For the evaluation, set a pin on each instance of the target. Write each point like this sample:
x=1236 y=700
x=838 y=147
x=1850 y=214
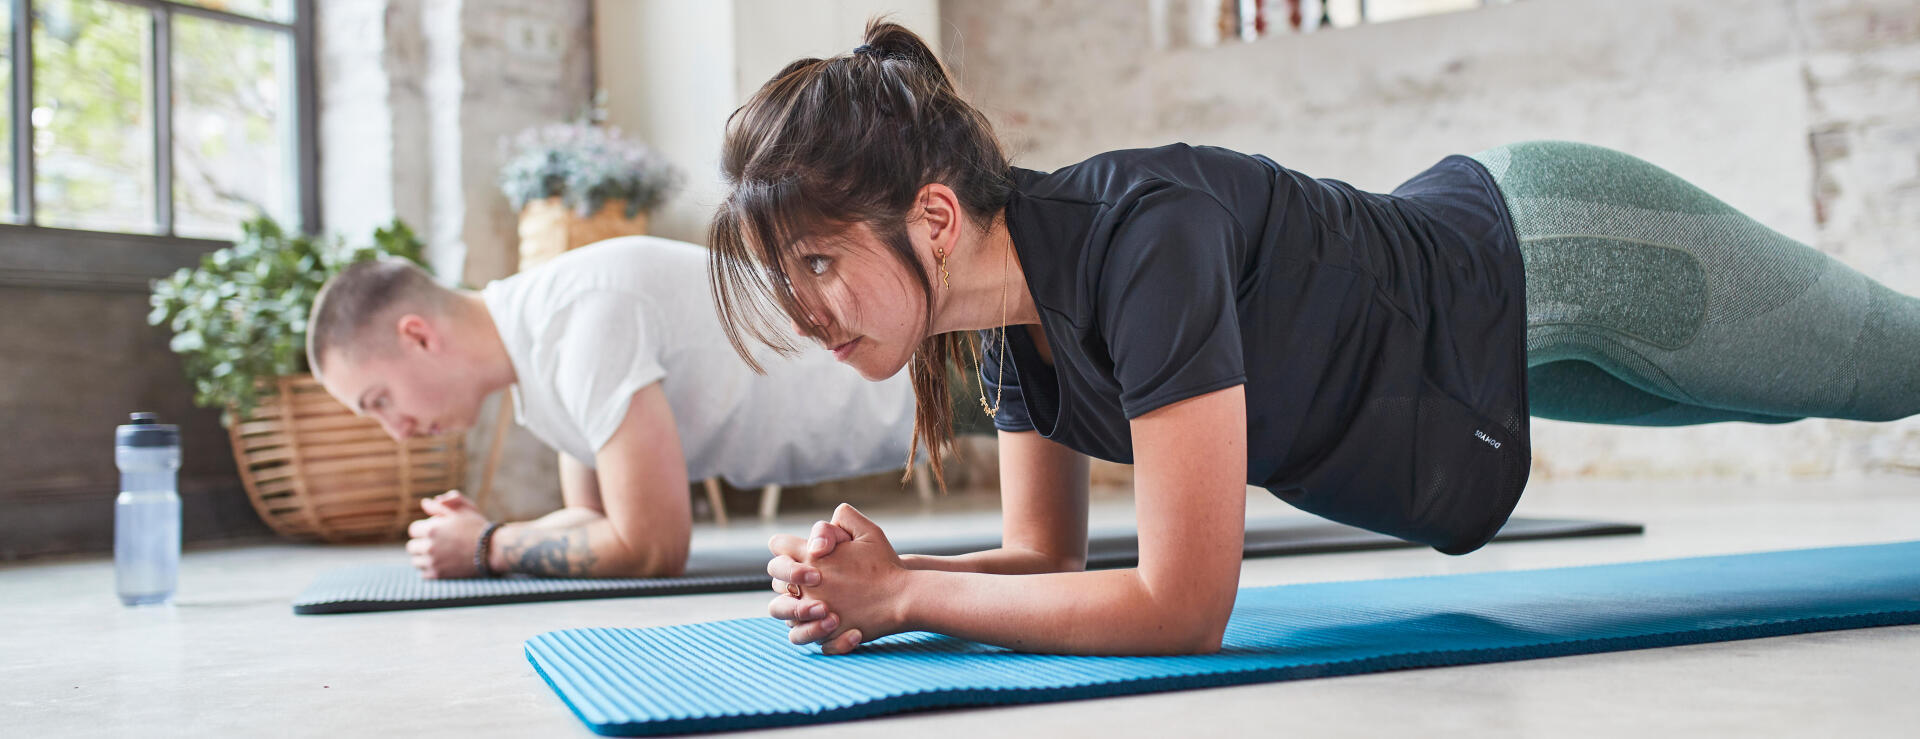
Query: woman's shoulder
x=1120 y=176
x=1170 y=156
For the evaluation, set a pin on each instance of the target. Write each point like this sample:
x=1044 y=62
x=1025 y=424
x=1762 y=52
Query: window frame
x=32 y=255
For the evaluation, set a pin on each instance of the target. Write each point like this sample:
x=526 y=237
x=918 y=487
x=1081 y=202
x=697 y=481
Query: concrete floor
x=229 y=658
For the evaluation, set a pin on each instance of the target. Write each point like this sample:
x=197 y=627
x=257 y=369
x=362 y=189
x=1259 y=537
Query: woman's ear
x=940 y=214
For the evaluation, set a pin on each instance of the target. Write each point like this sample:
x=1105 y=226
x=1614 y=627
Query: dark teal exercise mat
x=740 y=674
x=398 y=587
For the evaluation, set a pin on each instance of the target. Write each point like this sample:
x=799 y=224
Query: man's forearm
x=587 y=549
x=536 y=548
x=568 y=517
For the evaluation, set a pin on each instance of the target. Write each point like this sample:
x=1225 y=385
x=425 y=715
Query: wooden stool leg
x=713 y=498
x=502 y=421
x=922 y=482
x=769 y=502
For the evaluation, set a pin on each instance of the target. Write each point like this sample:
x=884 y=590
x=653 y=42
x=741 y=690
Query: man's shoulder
x=627 y=261
x=623 y=270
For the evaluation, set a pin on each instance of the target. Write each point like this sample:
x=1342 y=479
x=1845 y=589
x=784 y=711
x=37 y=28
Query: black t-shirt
x=1380 y=337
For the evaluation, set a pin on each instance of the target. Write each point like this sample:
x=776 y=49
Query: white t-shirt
x=593 y=326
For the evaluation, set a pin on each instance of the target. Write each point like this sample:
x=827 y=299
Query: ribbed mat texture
x=398 y=587
x=742 y=674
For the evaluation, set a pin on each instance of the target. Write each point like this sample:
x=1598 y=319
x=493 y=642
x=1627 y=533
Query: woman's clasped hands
x=839 y=587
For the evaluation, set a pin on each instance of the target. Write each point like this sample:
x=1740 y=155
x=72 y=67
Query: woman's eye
x=816 y=264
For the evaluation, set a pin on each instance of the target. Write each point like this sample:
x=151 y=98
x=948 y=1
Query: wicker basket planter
x=548 y=228
x=314 y=469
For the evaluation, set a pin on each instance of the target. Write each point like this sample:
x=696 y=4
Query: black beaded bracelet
x=482 y=548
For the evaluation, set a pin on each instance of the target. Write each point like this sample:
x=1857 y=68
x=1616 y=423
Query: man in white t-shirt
x=615 y=359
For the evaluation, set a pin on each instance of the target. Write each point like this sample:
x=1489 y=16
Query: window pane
x=1345 y=13
x=232 y=126
x=273 y=10
x=1381 y=11
x=92 y=115
x=6 y=114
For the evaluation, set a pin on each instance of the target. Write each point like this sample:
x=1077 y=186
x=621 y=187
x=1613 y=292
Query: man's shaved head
x=364 y=296
x=403 y=350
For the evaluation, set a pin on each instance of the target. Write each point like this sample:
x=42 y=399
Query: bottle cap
x=145 y=430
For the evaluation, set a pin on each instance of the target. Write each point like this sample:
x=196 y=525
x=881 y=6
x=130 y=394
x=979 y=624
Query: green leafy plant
x=241 y=316
x=585 y=165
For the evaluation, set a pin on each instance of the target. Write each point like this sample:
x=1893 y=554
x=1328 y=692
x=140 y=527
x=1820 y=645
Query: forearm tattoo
x=551 y=552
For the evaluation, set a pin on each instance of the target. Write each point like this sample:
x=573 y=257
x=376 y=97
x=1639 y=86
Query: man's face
x=413 y=389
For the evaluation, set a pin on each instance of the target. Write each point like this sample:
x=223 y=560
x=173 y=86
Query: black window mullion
x=163 y=120
x=22 y=103
x=306 y=118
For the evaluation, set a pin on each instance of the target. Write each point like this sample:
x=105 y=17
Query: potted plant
x=310 y=466
x=580 y=182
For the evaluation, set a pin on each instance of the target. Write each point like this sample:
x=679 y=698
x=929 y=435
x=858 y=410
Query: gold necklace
x=979 y=371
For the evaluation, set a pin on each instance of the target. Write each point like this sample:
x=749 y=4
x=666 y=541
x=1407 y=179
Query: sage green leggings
x=1651 y=303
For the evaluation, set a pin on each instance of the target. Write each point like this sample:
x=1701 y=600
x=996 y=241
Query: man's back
x=588 y=329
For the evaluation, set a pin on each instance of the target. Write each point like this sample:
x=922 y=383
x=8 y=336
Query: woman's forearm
x=1002 y=561
x=1108 y=612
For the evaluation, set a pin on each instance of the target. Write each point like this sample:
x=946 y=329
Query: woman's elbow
x=1178 y=640
x=1195 y=626
x=1207 y=636
x=1193 y=636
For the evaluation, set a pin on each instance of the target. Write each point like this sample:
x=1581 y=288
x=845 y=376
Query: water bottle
x=146 y=516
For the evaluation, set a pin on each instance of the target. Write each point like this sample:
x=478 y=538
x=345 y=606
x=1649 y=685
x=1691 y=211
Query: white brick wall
x=1765 y=103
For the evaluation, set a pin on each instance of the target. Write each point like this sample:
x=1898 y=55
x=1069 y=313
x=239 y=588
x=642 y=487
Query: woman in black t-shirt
x=1220 y=321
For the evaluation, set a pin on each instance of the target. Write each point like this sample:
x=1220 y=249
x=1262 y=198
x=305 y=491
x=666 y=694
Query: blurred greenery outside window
x=6 y=113
x=157 y=117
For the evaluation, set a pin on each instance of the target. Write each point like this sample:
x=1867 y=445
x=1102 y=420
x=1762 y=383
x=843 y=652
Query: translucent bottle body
x=146 y=525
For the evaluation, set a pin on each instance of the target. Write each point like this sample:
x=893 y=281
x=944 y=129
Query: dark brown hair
x=831 y=144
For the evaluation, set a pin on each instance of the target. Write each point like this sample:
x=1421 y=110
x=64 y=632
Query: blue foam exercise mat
x=738 y=674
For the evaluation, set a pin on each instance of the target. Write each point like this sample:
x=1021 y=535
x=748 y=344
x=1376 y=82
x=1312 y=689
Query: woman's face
x=863 y=304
